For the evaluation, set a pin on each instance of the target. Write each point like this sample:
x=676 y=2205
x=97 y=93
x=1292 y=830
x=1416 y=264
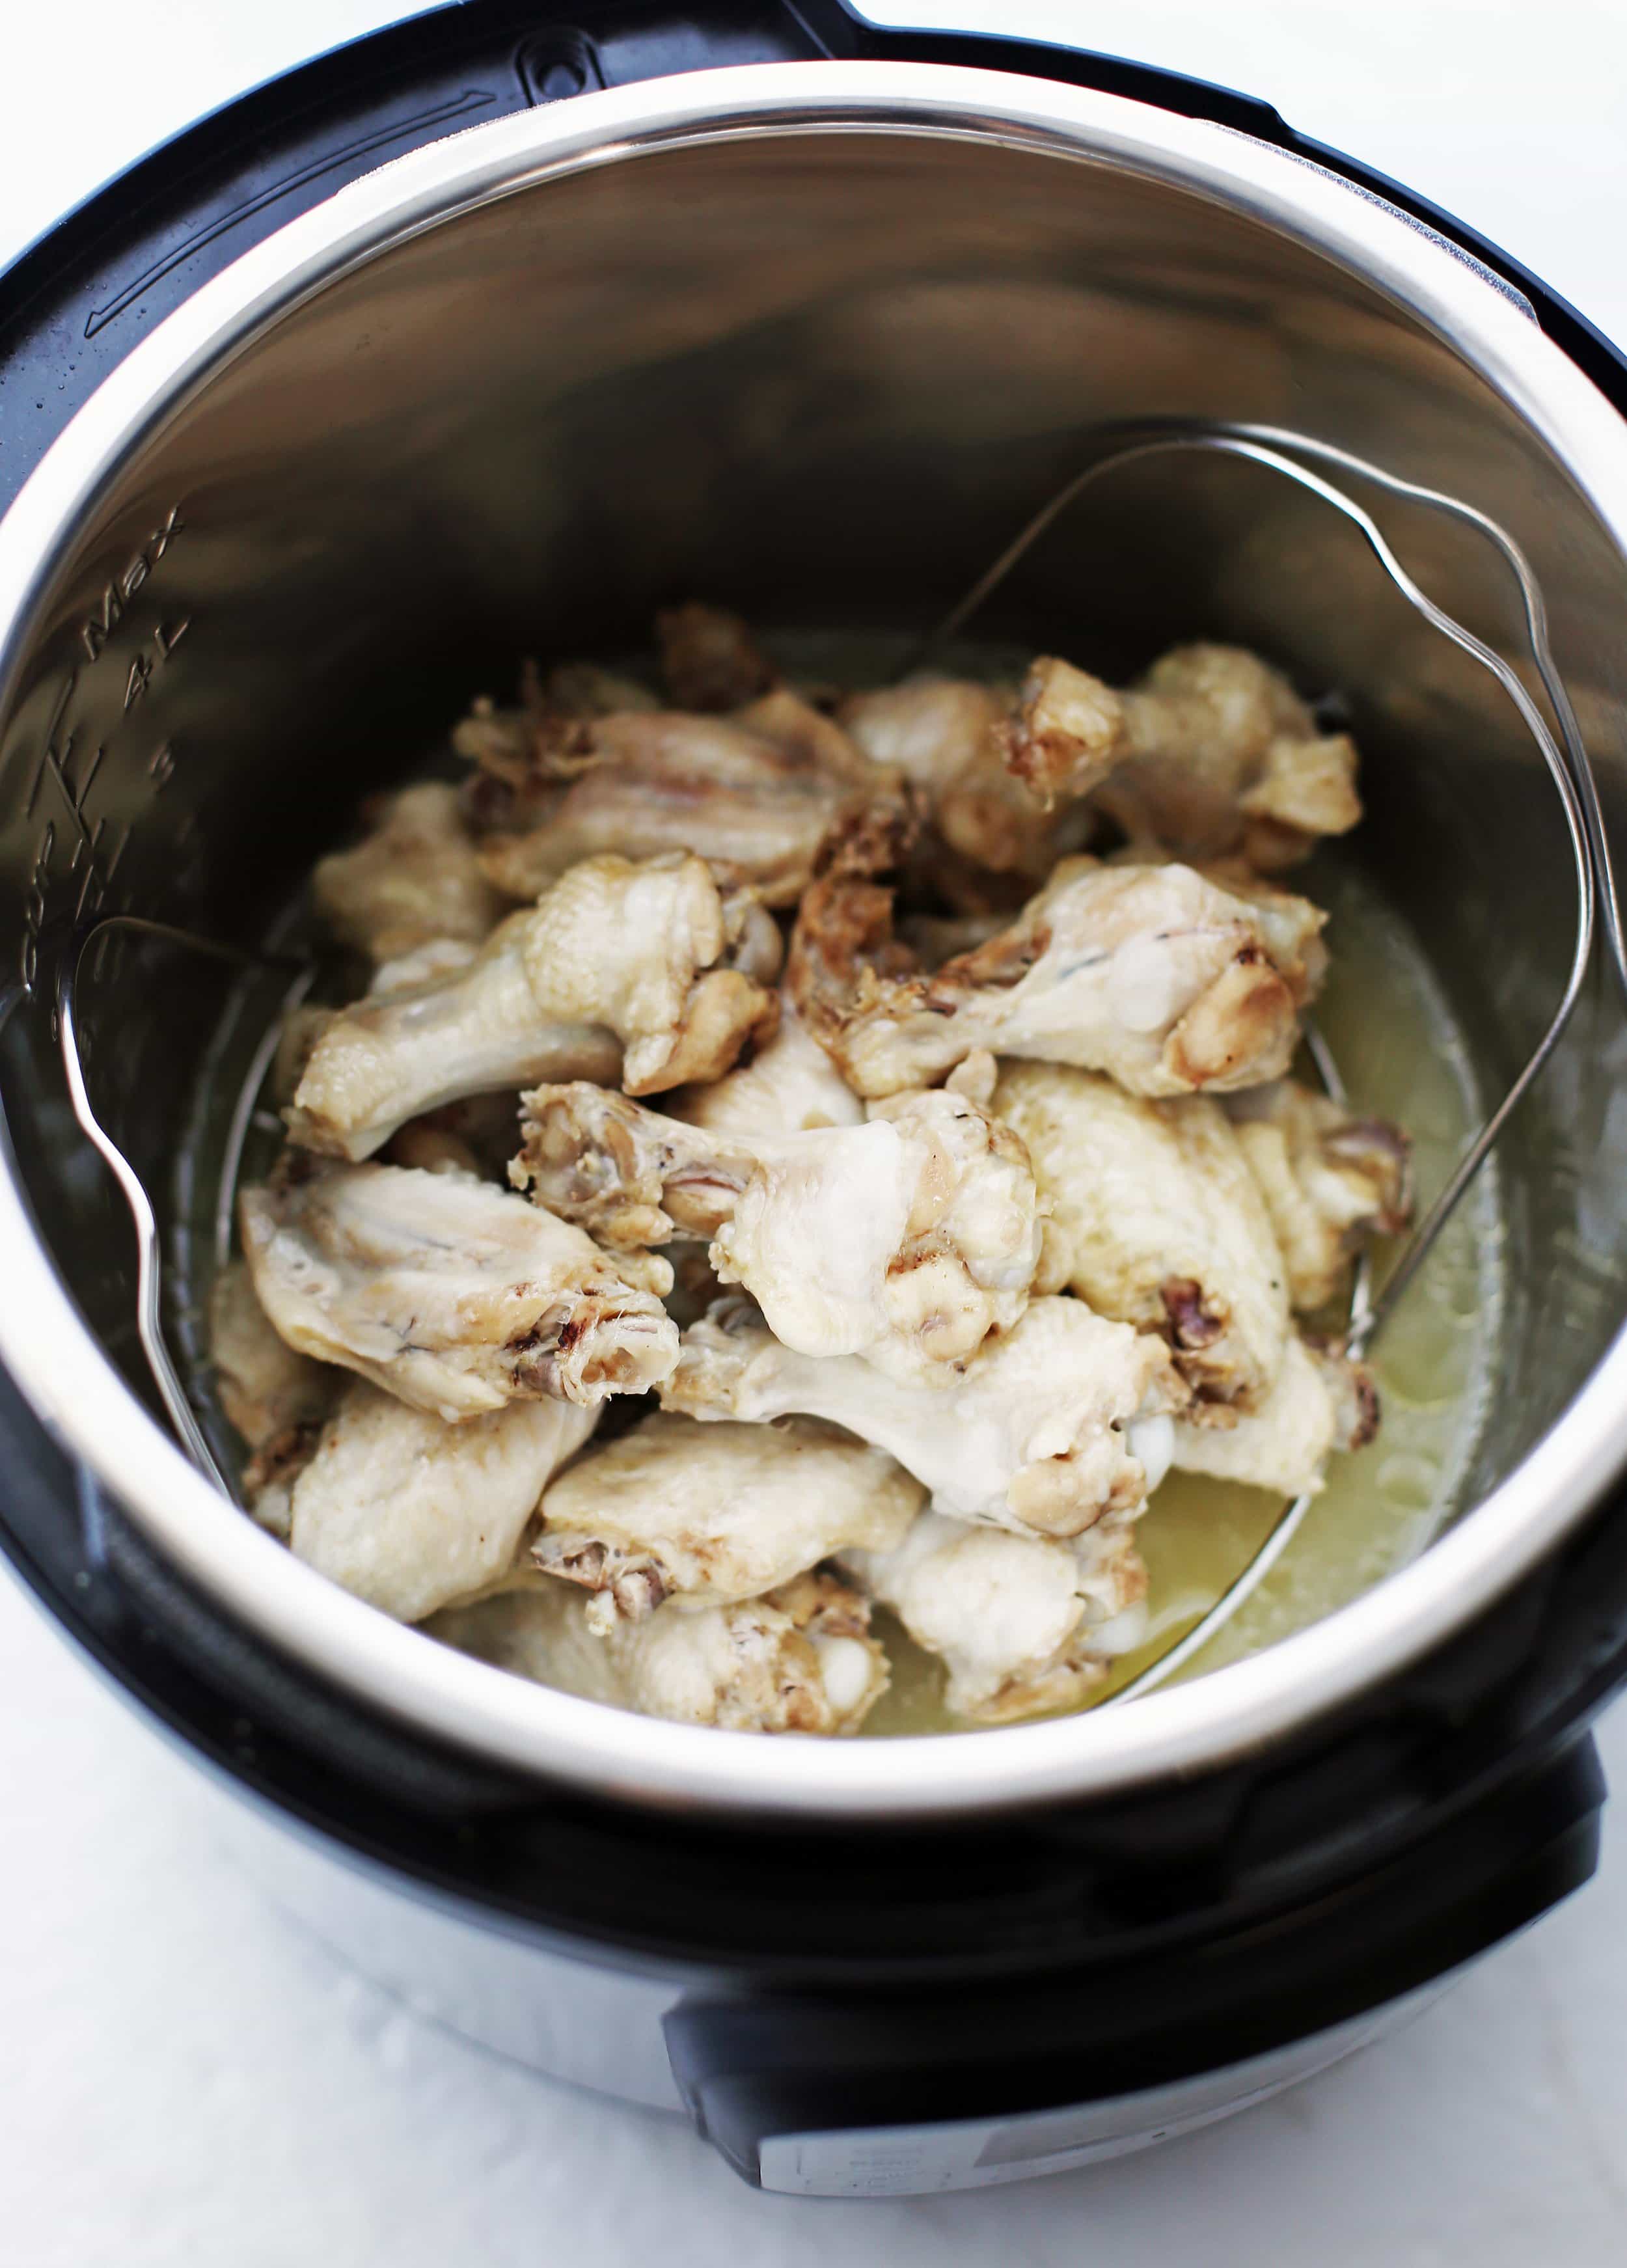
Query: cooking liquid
x=1400 y=1057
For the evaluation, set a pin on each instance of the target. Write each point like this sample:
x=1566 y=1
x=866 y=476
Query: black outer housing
x=886 y=1975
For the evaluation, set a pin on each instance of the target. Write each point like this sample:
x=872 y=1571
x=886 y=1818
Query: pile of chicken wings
x=890 y=1090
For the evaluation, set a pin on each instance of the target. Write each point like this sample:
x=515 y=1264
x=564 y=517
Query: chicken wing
x=799 y=1659
x=1154 y=974
x=417 y=876
x=947 y=736
x=1330 y=1178
x=907 y=1240
x=704 y=1515
x=263 y=1385
x=1156 y=1219
x=1050 y=1426
x=619 y=970
x=1024 y=1623
x=1320 y=1402
x=410 y=1513
x=275 y=1398
x=452 y=1295
x=1219 y=755
x=754 y=802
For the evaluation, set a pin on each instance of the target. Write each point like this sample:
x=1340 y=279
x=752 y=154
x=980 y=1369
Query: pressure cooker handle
x=884 y=2093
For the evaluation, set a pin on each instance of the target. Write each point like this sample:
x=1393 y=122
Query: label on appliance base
x=975 y=2153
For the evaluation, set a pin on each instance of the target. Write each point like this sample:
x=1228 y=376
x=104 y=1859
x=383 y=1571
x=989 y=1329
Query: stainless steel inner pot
x=813 y=339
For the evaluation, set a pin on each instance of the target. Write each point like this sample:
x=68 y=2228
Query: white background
x=187 y=2083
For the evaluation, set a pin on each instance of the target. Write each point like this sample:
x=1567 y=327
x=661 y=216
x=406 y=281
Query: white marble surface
x=187 y=2083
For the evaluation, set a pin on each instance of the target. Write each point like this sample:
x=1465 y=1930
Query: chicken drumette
x=1157 y=974
x=1053 y=1424
x=643 y=974
x=906 y=1240
x=452 y=1294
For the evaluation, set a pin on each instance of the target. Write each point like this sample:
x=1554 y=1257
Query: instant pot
x=507 y=324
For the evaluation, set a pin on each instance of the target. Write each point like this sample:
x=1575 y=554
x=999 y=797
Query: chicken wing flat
x=1157 y=975
x=620 y=971
x=1052 y=1426
x=1023 y=1624
x=1320 y=1402
x=1156 y=1219
x=1219 y=756
x=264 y=1387
x=799 y=1659
x=410 y=1513
x=451 y=1294
x=755 y=803
x=907 y=1240
x=1330 y=1181
x=276 y=1398
x=416 y=877
x=705 y=1515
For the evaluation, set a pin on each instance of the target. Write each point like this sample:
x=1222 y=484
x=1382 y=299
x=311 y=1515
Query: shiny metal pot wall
x=823 y=334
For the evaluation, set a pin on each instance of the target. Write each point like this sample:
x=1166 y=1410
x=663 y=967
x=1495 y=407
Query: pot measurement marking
x=96 y=872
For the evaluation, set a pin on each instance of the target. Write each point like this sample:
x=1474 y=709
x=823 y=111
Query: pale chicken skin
x=1023 y=1624
x=945 y=735
x=275 y=1398
x=410 y=1513
x=1321 y=1403
x=1156 y=1219
x=264 y=1387
x=799 y=1659
x=704 y=1515
x=1066 y=731
x=754 y=798
x=621 y=972
x=907 y=1240
x=1165 y=979
x=1331 y=1181
x=1219 y=756
x=451 y=1294
x=996 y=1141
x=1049 y=1428
x=417 y=876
